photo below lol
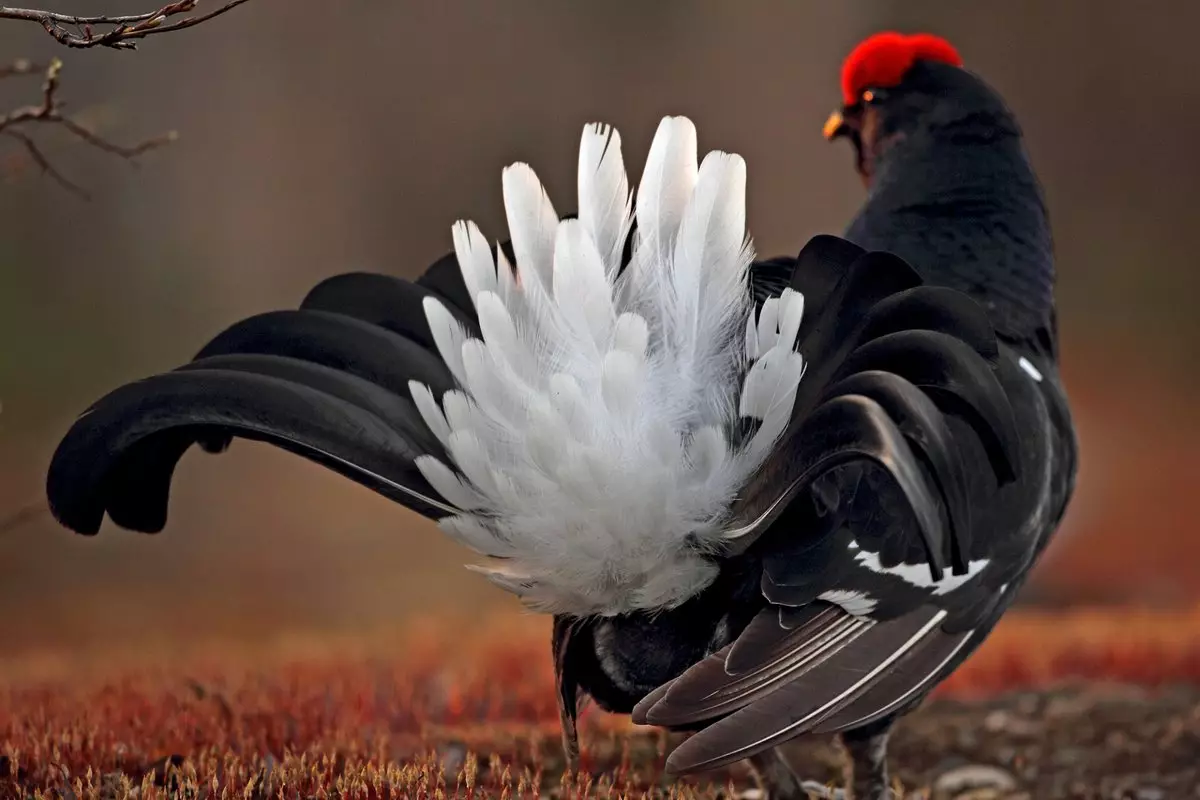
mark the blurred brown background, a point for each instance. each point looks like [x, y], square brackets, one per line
[319, 137]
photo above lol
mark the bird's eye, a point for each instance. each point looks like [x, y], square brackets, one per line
[874, 96]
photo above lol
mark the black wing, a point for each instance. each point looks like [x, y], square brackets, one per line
[329, 381]
[888, 360]
[903, 443]
[329, 386]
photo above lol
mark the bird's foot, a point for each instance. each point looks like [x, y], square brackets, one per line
[777, 781]
[812, 790]
[866, 773]
[866, 762]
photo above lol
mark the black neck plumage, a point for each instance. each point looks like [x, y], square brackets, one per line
[963, 206]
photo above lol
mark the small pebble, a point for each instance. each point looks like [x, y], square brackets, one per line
[818, 791]
[1068, 756]
[996, 721]
[1004, 722]
[973, 777]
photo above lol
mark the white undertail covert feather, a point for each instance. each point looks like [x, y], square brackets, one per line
[593, 436]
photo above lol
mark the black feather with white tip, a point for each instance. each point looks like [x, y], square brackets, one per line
[847, 664]
[915, 347]
[911, 387]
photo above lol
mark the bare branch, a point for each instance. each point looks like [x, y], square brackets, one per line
[49, 111]
[118, 150]
[123, 32]
[40, 159]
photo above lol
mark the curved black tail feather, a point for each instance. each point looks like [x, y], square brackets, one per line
[119, 456]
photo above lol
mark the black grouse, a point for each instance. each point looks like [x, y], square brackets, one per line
[761, 498]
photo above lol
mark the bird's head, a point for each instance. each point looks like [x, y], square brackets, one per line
[895, 85]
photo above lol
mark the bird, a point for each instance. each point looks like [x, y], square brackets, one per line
[759, 498]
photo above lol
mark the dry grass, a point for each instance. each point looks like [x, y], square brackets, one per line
[404, 716]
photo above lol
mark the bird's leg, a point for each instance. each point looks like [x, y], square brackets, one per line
[866, 761]
[777, 780]
[774, 776]
[570, 746]
[568, 691]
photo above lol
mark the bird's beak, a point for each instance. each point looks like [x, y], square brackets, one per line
[835, 126]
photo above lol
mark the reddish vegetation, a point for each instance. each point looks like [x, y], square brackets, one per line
[399, 718]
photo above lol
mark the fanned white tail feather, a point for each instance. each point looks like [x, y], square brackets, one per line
[591, 439]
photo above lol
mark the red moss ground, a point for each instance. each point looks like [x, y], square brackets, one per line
[432, 714]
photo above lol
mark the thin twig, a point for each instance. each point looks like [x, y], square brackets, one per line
[121, 32]
[125, 31]
[40, 159]
[133, 152]
[48, 108]
[50, 112]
